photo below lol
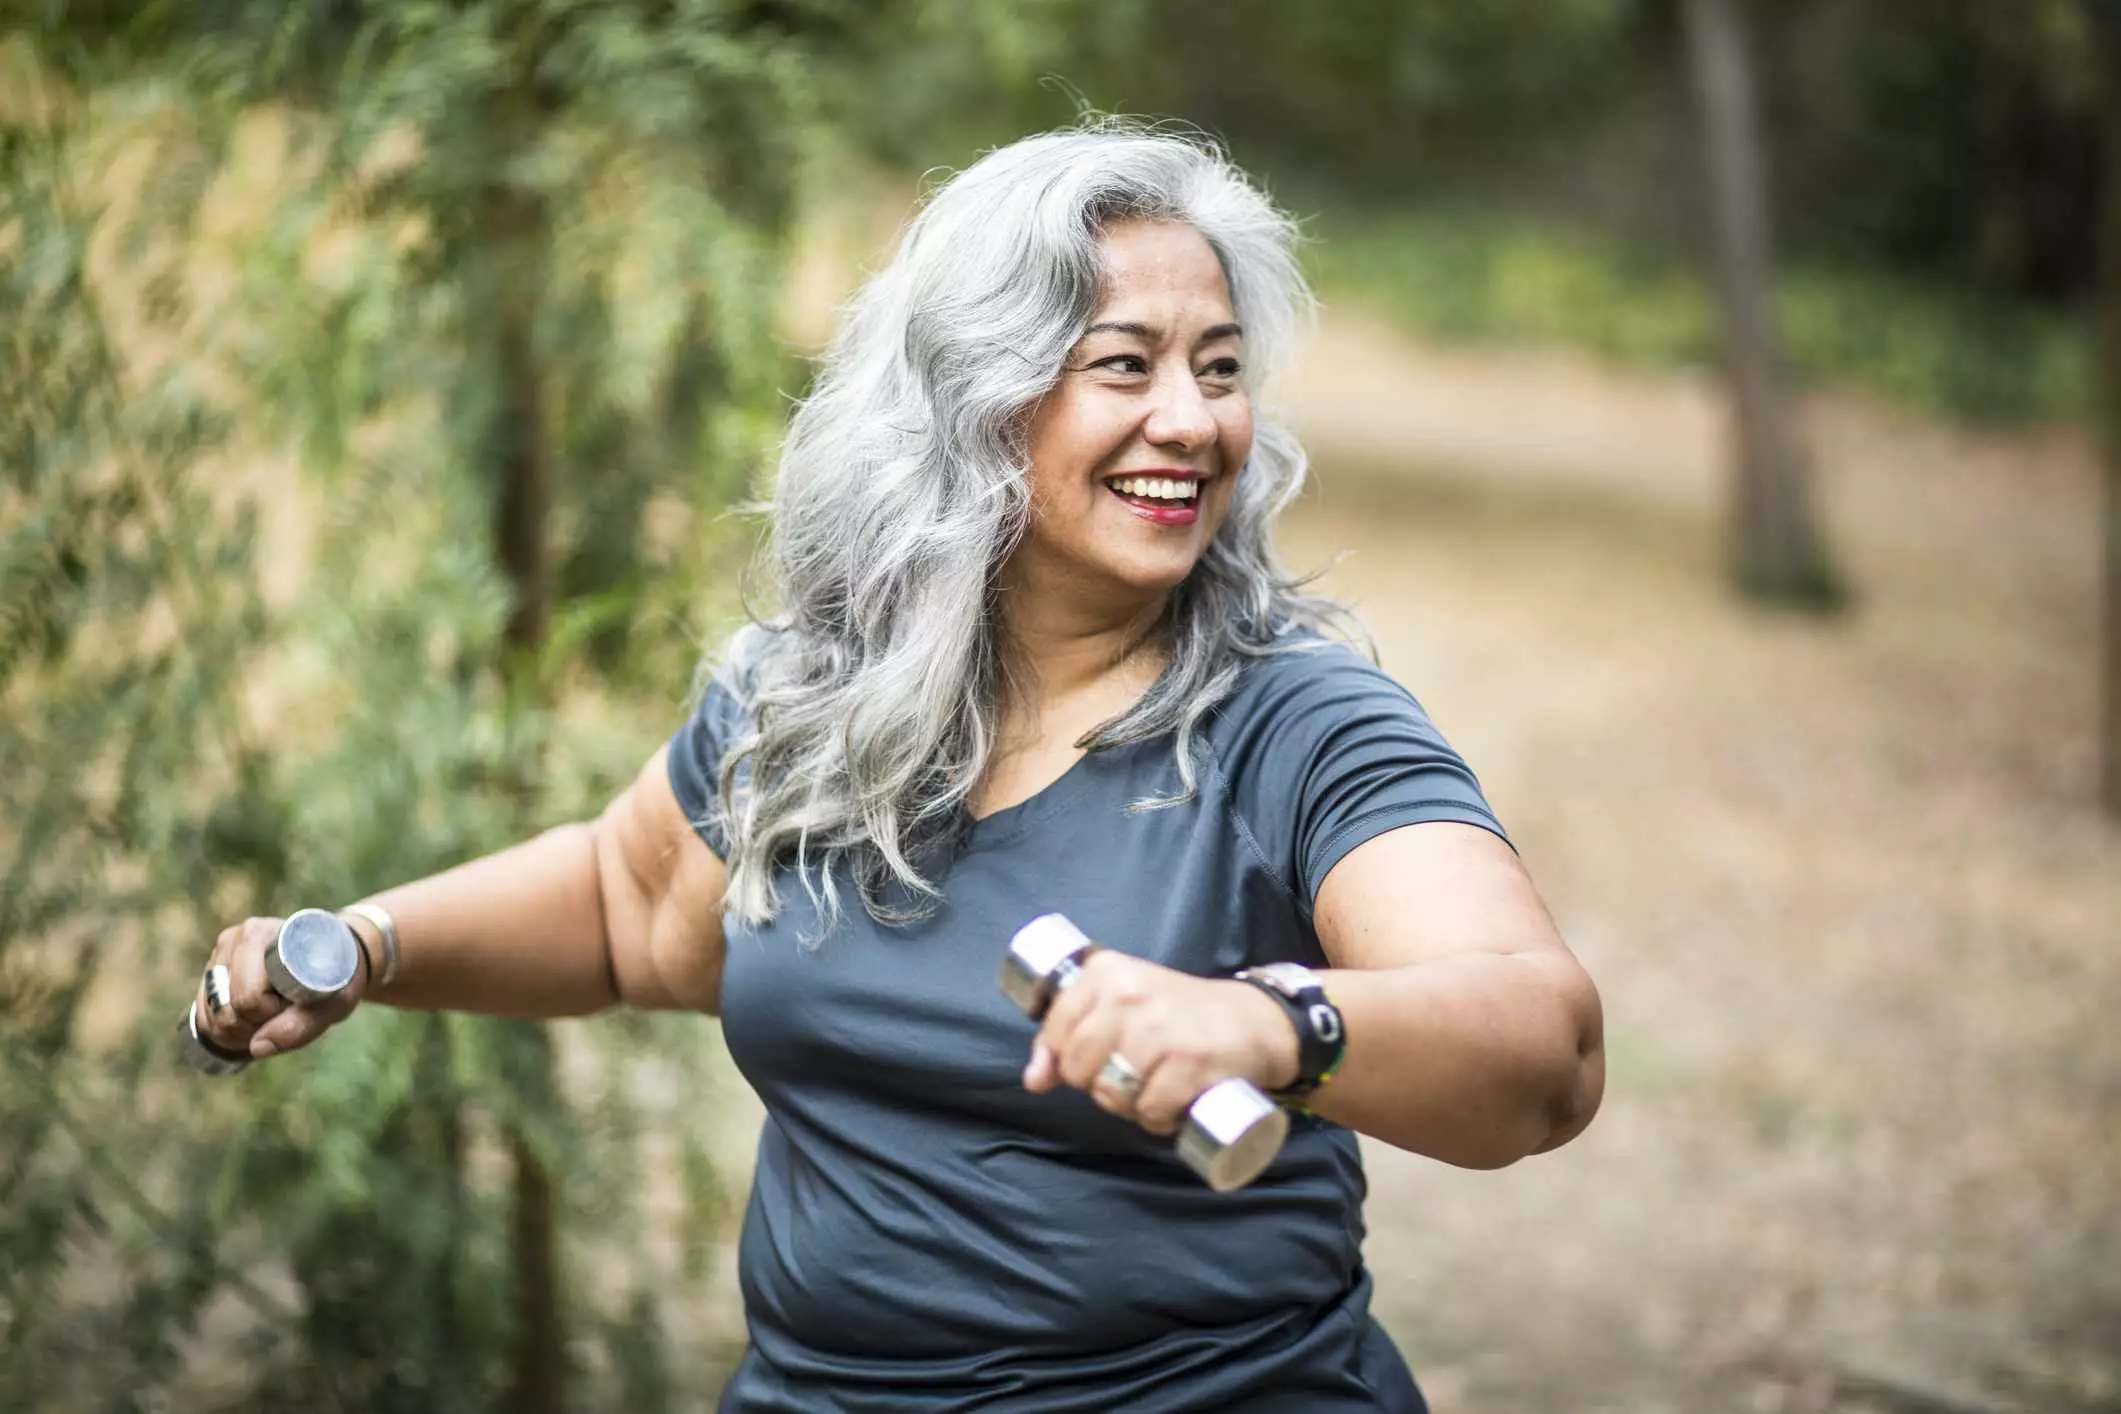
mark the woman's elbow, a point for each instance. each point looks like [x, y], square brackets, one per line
[1574, 1080]
[1541, 1128]
[1579, 1086]
[1573, 1115]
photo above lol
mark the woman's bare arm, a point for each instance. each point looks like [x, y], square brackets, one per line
[622, 910]
[663, 890]
[1474, 1035]
[625, 909]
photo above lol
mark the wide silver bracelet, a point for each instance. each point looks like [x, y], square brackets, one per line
[387, 929]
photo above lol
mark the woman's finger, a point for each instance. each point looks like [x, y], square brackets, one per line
[1118, 1085]
[297, 1026]
[251, 993]
[216, 1017]
[1075, 1000]
[1083, 1054]
[1167, 1093]
[1041, 1073]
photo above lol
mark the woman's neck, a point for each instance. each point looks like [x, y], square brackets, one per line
[1059, 650]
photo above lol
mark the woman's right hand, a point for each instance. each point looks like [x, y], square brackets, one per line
[258, 1021]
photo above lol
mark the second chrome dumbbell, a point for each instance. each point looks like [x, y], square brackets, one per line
[1231, 1132]
[312, 960]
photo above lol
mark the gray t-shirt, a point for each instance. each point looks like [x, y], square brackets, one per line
[923, 1234]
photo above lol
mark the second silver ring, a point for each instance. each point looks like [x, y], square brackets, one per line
[1119, 1075]
[217, 988]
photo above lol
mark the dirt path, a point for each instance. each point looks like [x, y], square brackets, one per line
[1855, 918]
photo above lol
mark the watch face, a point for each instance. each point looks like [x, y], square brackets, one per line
[1288, 978]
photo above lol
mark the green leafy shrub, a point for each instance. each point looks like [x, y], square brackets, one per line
[1461, 275]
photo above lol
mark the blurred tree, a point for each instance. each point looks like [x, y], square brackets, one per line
[1779, 553]
[139, 639]
[102, 540]
[1386, 97]
[1955, 140]
[511, 298]
[521, 109]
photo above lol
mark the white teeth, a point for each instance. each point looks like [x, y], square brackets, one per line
[1156, 488]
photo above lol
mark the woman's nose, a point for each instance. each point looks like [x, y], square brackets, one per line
[1180, 417]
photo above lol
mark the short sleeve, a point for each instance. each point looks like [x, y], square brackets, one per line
[696, 761]
[1325, 752]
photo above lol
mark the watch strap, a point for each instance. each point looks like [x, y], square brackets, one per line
[1321, 1033]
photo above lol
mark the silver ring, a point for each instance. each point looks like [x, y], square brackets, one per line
[1120, 1076]
[217, 988]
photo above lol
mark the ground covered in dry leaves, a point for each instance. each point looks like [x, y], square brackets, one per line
[1843, 882]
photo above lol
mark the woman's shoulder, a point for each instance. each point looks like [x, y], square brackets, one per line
[1319, 749]
[1310, 699]
[726, 681]
[1299, 674]
[724, 690]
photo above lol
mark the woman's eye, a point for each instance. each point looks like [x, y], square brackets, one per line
[1223, 368]
[1123, 363]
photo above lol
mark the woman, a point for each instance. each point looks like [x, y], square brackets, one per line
[1035, 655]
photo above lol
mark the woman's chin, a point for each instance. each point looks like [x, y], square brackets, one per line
[1155, 573]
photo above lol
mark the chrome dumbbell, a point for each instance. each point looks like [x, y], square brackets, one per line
[312, 960]
[1231, 1132]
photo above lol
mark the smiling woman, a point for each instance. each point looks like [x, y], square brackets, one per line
[1035, 654]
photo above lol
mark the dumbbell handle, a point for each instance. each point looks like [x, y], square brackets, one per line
[1232, 1130]
[312, 960]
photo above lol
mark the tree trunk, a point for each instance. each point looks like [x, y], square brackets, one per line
[2106, 23]
[516, 227]
[523, 482]
[538, 1384]
[522, 506]
[1778, 551]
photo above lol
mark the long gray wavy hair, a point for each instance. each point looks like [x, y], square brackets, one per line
[875, 694]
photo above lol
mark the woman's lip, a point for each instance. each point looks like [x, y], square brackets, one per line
[1159, 473]
[1174, 513]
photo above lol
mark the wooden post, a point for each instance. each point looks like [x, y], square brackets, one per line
[1778, 551]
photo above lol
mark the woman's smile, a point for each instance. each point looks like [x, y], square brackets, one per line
[1160, 495]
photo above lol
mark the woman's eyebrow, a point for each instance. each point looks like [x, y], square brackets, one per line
[1143, 331]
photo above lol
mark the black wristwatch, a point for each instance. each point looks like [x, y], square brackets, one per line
[1321, 1038]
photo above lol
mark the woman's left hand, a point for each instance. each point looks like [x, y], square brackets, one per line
[1178, 1032]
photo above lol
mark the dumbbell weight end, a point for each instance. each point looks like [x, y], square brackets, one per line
[201, 1052]
[1232, 1132]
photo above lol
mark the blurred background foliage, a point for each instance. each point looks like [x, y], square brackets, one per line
[1522, 171]
[374, 376]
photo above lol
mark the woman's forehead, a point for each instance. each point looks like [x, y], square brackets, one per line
[1157, 273]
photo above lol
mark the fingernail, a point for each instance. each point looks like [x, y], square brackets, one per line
[260, 1048]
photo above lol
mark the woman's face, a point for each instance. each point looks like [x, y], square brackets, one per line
[1135, 453]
